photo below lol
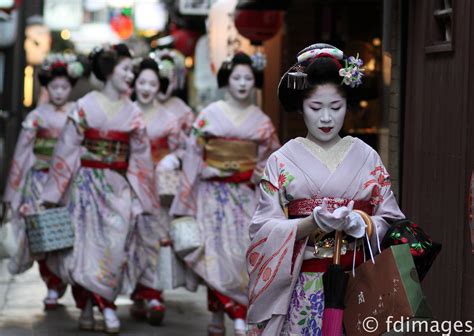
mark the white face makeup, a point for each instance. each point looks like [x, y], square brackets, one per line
[146, 86]
[324, 111]
[241, 82]
[58, 90]
[122, 77]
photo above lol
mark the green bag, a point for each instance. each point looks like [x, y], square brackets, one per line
[390, 287]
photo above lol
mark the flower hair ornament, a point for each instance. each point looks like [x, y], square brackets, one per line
[351, 72]
[170, 63]
[74, 68]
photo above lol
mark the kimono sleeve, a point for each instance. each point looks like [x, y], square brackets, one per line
[23, 159]
[66, 156]
[140, 173]
[268, 144]
[382, 198]
[184, 203]
[274, 253]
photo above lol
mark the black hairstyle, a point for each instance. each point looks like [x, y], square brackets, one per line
[320, 70]
[227, 67]
[104, 60]
[165, 81]
[146, 63]
[58, 69]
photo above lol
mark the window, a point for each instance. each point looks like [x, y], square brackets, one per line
[440, 27]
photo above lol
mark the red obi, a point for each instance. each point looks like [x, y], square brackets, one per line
[304, 207]
[108, 149]
[159, 148]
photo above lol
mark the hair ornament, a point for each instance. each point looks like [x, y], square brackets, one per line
[74, 68]
[170, 63]
[307, 54]
[352, 73]
[297, 79]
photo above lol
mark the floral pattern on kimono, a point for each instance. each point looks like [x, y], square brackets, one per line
[222, 210]
[274, 257]
[100, 200]
[28, 173]
[144, 243]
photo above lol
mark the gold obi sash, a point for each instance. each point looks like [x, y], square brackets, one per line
[230, 154]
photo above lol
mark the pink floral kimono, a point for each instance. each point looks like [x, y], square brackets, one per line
[101, 163]
[166, 136]
[28, 173]
[285, 290]
[223, 207]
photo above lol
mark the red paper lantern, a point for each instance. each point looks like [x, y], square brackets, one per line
[185, 40]
[258, 25]
[122, 25]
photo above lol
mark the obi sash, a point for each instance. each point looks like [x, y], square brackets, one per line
[304, 207]
[230, 154]
[106, 149]
[43, 147]
[159, 148]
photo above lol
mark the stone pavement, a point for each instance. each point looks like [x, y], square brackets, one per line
[22, 314]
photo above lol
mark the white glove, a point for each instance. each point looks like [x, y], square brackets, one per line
[210, 172]
[168, 163]
[330, 221]
[356, 225]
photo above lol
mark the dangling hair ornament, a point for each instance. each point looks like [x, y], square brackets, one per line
[352, 73]
[297, 79]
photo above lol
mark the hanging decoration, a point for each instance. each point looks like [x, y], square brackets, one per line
[184, 39]
[258, 20]
[122, 24]
[224, 39]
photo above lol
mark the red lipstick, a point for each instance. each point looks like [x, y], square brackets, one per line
[326, 129]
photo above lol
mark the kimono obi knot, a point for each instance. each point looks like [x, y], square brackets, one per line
[106, 149]
[159, 148]
[230, 154]
[304, 207]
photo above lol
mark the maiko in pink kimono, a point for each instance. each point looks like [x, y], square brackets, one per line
[312, 187]
[31, 162]
[226, 154]
[102, 171]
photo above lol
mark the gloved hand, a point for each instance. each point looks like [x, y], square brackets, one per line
[330, 221]
[168, 163]
[210, 172]
[342, 219]
[356, 225]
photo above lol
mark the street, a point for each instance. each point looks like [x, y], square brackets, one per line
[22, 314]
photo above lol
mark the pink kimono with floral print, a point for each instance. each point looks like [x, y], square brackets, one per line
[29, 171]
[222, 210]
[100, 200]
[150, 229]
[275, 257]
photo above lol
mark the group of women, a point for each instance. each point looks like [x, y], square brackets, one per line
[258, 207]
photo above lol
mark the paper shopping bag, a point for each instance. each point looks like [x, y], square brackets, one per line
[390, 287]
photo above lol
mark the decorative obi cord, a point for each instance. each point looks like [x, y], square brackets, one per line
[106, 149]
[231, 155]
[43, 147]
[159, 149]
[322, 244]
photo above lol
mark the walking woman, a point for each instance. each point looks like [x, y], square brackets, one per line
[229, 145]
[311, 187]
[101, 165]
[166, 136]
[32, 158]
